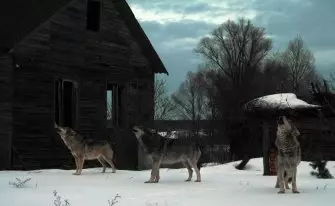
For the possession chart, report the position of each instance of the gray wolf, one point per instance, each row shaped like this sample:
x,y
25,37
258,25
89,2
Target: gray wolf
x,y
86,149
170,150
289,154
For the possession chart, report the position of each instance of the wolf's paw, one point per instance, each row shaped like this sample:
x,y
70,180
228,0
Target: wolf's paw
x,y
150,181
281,191
197,181
76,173
188,180
295,192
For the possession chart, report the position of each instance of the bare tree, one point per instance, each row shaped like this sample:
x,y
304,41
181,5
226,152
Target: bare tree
x,y
190,99
236,49
164,107
332,81
300,62
274,77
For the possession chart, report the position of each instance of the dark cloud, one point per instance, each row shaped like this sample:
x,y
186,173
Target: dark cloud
x,y
283,20
310,19
199,7
174,30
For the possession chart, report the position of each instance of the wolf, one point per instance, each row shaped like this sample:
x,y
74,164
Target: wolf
x,y
170,150
86,149
289,154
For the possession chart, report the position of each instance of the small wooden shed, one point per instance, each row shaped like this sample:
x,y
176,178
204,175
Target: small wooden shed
x,y
267,109
61,61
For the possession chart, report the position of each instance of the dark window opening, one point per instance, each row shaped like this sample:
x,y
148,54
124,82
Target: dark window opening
x,y
115,104
57,101
65,103
93,15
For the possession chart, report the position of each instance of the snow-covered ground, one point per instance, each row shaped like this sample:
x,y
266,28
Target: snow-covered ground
x,y
222,185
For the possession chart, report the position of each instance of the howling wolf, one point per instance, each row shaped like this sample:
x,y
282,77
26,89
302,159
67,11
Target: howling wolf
x,y
86,149
170,150
289,154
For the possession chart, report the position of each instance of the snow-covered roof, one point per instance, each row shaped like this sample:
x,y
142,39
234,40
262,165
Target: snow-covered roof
x,y
178,134
280,101
172,135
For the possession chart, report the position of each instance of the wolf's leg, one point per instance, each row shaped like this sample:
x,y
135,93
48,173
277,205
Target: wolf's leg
x,y
81,165
103,164
281,180
286,183
111,154
277,182
76,159
110,162
189,169
154,171
157,177
193,163
294,181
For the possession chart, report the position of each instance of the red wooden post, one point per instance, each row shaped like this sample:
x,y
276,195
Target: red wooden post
x,y
266,145
272,162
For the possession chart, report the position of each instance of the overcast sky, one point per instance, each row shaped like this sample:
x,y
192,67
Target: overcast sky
x,y
175,26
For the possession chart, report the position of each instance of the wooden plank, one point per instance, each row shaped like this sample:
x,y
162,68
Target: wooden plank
x,y
266,149
6,117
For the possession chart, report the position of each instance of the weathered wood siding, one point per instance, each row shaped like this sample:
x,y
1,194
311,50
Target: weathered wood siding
x,y
63,48
33,117
6,91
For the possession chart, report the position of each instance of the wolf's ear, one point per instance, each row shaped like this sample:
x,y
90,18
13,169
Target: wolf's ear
x,y
56,125
280,120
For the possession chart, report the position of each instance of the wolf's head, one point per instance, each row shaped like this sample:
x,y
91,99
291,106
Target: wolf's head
x,y
140,131
286,125
148,138
62,131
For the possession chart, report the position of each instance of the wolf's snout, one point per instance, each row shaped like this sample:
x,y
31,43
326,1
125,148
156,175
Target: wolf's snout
x,y
135,129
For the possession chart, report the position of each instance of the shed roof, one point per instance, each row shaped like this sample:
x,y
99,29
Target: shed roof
x,y
277,103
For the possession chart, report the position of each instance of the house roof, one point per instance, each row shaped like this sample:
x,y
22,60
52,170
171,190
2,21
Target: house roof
x,y
18,18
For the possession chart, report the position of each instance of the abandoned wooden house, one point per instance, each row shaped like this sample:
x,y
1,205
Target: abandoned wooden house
x,y
62,61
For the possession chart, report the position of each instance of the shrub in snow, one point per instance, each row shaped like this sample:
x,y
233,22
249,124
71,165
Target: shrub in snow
x,y
322,172
19,183
114,200
58,200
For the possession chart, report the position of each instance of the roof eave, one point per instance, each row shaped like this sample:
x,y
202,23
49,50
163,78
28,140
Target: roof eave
x,y
140,36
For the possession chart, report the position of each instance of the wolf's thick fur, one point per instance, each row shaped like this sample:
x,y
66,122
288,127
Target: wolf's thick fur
x,y
166,150
86,149
289,154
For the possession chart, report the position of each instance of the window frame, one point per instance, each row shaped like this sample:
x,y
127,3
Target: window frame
x,y
59,116
118,104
